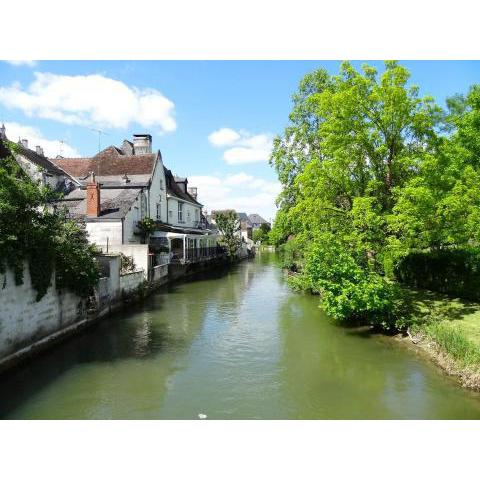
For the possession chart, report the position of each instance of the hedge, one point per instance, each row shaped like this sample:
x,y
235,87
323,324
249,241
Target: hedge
x,y
451,271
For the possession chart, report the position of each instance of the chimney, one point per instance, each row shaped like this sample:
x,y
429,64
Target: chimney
x,y
39,150
193,192
24,142
93,196
142,143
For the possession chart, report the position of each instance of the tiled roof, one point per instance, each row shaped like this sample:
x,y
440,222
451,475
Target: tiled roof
x,y
108,163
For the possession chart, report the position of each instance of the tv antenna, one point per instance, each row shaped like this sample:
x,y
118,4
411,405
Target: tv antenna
x,y
100,133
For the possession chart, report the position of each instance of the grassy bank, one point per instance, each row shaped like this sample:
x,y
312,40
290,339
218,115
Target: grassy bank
x,y
448,329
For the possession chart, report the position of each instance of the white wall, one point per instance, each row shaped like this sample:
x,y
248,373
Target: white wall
x,y
138,252
158,193
24,321
37,174
98,232
189,218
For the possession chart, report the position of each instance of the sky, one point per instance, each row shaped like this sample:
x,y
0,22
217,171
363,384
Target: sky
x,y
213,121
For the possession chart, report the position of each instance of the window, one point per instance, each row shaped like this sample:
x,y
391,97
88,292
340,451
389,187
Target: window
x,y
180,212
159,211
161,184
197,214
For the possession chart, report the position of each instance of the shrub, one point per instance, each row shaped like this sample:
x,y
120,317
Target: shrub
x,y
450,271
349,292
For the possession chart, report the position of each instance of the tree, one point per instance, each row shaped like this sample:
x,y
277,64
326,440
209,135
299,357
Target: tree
x,y
31,231
229,226
260,234
354,142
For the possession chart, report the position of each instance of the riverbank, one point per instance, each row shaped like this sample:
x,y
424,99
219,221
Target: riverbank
x,y
239,344
31,328
447,330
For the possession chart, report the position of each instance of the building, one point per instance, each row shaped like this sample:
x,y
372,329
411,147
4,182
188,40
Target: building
x,y
118,191
39,168
119,188
257,221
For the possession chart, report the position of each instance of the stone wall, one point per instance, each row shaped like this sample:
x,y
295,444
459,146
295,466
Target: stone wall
x,y
159,274
130,281
24,321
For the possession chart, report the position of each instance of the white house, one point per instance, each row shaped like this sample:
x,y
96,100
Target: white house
x,y
119,187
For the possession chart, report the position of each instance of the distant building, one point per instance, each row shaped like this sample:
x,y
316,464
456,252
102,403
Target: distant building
x,y
257,221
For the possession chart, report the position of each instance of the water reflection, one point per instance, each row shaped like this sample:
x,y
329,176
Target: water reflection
x,y
235,344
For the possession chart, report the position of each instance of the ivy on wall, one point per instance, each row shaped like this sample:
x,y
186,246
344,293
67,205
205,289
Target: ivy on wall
x,y
46,239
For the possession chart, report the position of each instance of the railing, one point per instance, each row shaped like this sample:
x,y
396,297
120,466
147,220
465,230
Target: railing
x,y
197,254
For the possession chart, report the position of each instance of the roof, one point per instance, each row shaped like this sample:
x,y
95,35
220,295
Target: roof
x,y
256,218
110,161
114,203
174,190
40,160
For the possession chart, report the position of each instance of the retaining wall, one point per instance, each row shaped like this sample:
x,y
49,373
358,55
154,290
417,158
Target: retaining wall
x,y
130,281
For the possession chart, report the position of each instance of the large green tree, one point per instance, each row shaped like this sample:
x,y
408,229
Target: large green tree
x,y
354,142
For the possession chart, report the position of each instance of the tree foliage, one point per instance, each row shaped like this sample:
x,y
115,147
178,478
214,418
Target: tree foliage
x,y
370,172
229,226
43,237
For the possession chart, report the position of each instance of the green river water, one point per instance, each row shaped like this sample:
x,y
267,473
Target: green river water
x,y
237,345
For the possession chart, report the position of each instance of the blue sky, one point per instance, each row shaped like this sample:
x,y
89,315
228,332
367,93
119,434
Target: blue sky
x,y
181,104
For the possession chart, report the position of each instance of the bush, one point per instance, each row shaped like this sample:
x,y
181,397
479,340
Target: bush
x,y
451,271
291,256
349,292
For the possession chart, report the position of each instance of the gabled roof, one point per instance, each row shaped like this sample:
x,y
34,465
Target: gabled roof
x,y
174,190
256,218
40,160
110,161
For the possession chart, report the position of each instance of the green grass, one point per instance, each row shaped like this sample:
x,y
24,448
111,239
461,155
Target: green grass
x,y
453,323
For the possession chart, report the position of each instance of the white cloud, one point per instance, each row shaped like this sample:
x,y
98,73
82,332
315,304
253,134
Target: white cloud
x,y
243,192
17,63
223,137
90,100
51,148
243,146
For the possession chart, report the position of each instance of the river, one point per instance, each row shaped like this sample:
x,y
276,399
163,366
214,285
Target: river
x,y
234,345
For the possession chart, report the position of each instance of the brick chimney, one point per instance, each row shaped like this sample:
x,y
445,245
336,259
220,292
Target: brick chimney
x,y
93,196
24,142
39,150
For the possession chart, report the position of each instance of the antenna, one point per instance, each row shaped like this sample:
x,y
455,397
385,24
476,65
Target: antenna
x,y
100,133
